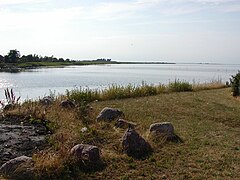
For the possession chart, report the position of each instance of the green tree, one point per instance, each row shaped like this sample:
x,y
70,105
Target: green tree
x,y
12,56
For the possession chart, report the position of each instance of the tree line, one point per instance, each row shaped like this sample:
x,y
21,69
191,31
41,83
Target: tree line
x,y
14,56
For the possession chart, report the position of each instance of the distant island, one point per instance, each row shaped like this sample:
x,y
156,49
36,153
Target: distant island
x,y
14,62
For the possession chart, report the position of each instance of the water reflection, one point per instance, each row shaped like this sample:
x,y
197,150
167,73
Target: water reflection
x,y
38,82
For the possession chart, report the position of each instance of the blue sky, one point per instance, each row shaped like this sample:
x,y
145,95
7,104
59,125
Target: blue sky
x,y
133,30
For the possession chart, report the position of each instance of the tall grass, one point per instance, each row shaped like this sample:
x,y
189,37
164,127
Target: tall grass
x,y
179,86
131,91
214,84
83,94
120,92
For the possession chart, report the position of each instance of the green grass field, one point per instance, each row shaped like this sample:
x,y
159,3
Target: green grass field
x,y
207,121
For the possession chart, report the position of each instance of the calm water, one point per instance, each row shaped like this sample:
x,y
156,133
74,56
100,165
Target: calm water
x,y
38,82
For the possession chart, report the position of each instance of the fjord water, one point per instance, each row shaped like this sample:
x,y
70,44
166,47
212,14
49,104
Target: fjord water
x,y
38,82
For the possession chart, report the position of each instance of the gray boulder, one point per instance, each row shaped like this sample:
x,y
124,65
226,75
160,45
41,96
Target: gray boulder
x,y
166,130
18,168
109,114
121,123
86,152
134,145
163,128
68,104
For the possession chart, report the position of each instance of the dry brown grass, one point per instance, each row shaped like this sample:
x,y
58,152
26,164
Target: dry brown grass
x,y
208,122
208,86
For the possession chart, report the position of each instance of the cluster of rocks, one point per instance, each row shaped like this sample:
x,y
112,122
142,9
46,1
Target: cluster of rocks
x,y
48,100
133,144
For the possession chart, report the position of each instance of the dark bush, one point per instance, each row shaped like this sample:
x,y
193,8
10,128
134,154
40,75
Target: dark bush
x,y
235,84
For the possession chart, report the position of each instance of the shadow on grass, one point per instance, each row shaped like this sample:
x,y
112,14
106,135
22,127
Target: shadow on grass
x,y
74,170
175,139
140,155
85,166
143,156
162,139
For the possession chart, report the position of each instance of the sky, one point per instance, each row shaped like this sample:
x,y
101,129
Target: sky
x,y
186,31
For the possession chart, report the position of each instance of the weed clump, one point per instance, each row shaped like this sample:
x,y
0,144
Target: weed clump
x,y
179,86
80,95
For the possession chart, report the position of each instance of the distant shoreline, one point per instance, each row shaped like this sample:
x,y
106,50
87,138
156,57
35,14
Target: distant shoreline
x,y
19,67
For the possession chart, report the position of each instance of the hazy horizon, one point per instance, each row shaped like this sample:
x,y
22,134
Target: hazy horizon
x,y
179,31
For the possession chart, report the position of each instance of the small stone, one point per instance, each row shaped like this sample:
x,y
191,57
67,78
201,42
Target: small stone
x,y
134,145
109,114
86,152
164,128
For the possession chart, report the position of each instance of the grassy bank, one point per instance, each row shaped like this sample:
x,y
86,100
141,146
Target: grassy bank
x,y
132,91
207,121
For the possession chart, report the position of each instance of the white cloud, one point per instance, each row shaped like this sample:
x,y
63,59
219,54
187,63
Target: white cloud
x,y
38,19
77,30
138,9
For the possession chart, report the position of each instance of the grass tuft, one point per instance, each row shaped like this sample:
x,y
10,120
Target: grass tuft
x,y
179,86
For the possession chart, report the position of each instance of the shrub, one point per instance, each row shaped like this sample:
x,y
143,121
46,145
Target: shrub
x,y
80,95
235,84
179,86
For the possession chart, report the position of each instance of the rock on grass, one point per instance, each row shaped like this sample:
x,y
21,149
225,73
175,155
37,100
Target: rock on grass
x,y
135,145
18,168
164,129
109,114
86,152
